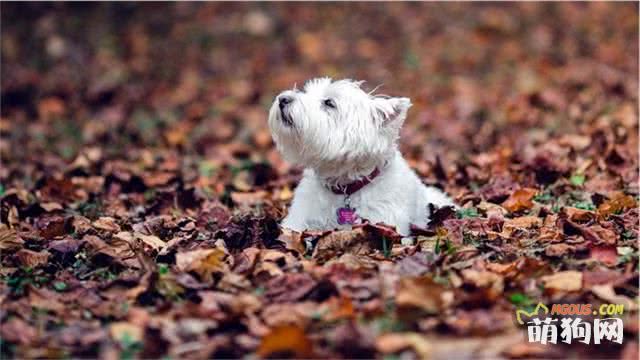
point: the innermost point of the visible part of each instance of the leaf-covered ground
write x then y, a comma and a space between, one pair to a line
141, 192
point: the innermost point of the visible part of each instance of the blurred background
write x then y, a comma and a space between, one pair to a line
196, 79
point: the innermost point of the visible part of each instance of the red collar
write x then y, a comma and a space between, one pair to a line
352, 187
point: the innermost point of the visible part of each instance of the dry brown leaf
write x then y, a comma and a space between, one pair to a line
492, 210
617, 204
519, 223
354, 241
484, 279
51, 226
286, 340
396, 342
119, 250
9, 239
558, 250
420, 292
107, 224
290, 287
204, 262
563, 281
599, 235
521, 199
151, 240
32, 259
579, 215
292, 240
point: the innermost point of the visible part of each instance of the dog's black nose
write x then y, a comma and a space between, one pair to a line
284, 100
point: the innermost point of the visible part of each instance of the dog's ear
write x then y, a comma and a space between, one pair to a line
392, 110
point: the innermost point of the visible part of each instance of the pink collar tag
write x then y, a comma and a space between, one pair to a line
346, 215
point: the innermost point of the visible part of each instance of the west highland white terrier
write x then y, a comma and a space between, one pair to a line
347, 141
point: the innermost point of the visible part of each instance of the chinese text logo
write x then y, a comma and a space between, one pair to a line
544, 328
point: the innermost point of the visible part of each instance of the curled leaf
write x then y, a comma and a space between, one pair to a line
616, 205
204, 262
521, 199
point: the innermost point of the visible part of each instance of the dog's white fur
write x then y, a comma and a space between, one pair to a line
343, 143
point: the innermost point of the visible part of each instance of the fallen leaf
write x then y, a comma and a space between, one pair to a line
578, 215
616, 205
32, 259
492, 210
204, 262
289, 287
107, 224
354, 241
563, 281
599, 235
396, 342
292, 240
498, 189
118, 250
416, 264
484, 279
152, 241
286, 340
420, 292
51, 226
519, 223
9, 239
558, 250
520, 199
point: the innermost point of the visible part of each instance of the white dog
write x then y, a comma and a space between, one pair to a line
347, 141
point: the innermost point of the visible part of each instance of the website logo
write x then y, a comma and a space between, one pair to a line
564, 321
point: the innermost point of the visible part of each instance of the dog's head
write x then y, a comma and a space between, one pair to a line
335, 126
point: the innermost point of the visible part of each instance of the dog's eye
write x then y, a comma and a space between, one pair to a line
330, 103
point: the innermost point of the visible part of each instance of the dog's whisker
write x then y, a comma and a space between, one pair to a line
375, 89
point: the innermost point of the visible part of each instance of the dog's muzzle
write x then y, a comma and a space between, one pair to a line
284, 102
